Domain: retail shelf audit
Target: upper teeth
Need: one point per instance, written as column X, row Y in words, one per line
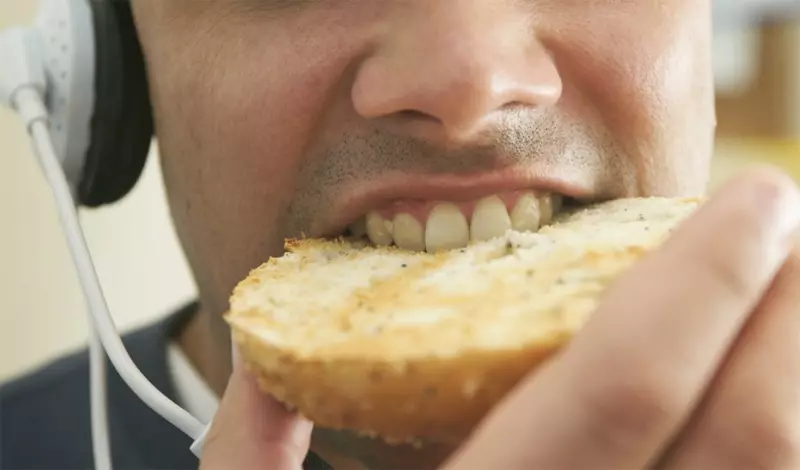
column 527, row 215
column 447, row 227
column 489, row 220
column 379, row 230
column 408, row 233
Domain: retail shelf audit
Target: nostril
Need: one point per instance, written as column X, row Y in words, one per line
column 515, row 106
column 414, row 115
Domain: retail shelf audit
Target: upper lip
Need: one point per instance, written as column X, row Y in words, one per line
column 446, row 187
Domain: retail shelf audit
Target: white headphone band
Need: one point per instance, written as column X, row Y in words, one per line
column 68, row 50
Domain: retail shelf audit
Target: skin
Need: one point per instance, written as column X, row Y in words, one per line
column 278, row 118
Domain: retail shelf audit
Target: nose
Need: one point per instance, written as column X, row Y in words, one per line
column 450, row 66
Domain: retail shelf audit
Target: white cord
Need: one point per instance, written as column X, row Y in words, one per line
column 101, row 446
column 28, row 98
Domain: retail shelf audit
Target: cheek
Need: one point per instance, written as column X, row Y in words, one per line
column 645, row 74
column 629, row 73
column 235, row 135
column 248, row 119
column 245, row 132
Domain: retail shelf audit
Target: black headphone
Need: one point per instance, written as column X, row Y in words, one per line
column 122, row 122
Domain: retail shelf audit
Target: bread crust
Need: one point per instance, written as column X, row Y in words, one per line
column 402, row 402
column 399, row 353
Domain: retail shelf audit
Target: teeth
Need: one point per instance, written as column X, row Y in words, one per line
column 489, row 220
column 408, row 233
column 526, row 216
column 547, row 209
column 379, row 230
column 446, row 229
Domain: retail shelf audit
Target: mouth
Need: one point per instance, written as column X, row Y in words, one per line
column 434, row 213
column 431, row 226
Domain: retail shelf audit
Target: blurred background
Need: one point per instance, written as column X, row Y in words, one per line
column 138, row 259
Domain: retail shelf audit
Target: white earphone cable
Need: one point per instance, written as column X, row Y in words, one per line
column 101, row 445
column 104, row 329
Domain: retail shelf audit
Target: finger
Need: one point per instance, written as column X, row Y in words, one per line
column 752, row 416
column 252, row 431
column 626, row 383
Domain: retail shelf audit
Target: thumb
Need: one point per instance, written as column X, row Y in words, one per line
column 253, row 431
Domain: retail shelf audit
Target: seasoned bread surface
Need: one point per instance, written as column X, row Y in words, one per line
column 406, row 345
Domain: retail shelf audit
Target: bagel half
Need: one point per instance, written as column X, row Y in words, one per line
column 410, row 346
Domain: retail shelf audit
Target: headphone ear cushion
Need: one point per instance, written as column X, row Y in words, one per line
column 122, row 124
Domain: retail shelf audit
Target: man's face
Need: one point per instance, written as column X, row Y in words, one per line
column 278, row 118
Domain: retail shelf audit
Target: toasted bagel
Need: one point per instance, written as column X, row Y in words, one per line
column 405, row 345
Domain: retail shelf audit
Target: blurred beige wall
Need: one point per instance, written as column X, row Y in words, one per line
column 138, row 259
column 765, row 100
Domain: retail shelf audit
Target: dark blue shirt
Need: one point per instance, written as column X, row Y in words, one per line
column 45, row 415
